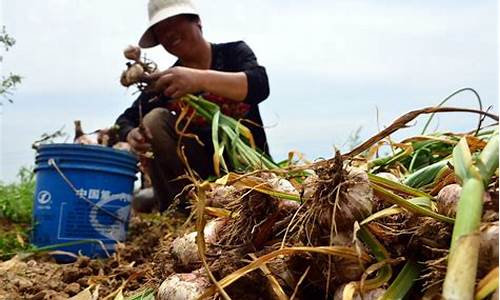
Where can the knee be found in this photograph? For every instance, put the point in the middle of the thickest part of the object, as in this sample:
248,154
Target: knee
159,122
156,119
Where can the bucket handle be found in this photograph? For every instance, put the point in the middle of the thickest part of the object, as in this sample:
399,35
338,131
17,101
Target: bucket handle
53,163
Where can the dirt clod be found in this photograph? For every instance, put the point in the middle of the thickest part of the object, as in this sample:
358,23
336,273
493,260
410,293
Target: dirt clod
143,260
72,288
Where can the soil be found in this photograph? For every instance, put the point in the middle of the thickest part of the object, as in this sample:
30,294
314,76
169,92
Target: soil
145,260
142,261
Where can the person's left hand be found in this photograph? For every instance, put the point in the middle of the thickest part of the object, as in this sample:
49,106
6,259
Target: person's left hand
176,82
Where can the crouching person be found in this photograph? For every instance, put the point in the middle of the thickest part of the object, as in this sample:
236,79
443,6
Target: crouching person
226,73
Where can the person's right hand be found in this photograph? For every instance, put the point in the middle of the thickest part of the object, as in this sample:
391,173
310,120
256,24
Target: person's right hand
138,141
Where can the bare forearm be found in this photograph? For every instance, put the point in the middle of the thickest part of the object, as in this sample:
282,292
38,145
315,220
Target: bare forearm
178,81
231,85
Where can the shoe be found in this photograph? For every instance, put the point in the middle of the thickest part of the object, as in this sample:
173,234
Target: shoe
144,201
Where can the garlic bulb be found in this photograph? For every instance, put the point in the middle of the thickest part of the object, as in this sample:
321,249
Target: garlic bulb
183,286
309,187
354,201
132,53
368,295
282,185
488,248
447,199
388,176
221,195
132,75
184,248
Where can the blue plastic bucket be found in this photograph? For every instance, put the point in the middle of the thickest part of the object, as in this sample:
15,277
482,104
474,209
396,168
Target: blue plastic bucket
82,198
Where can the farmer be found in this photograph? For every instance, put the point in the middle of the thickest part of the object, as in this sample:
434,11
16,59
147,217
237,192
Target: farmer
227,74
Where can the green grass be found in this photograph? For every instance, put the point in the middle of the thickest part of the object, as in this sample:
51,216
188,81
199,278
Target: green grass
12,240
16,199
16,202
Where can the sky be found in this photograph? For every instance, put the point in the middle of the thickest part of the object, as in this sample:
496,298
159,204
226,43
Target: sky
335,67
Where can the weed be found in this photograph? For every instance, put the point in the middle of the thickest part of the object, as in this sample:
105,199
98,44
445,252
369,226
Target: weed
16,199
16,203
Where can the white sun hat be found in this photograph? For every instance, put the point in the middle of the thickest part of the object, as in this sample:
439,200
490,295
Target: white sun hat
159,10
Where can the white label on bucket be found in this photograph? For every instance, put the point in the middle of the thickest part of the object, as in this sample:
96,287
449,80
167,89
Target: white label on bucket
94,194
115,231
81,193
84,222
105,194
44,197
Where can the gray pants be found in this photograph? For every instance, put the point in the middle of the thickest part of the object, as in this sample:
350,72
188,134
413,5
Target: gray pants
167,166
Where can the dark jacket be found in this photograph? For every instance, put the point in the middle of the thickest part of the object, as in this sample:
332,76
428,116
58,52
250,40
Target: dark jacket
228,57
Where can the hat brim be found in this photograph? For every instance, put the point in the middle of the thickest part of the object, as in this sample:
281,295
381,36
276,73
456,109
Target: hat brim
147,39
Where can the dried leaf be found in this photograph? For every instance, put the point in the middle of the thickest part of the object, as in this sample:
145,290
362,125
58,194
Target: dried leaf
84,295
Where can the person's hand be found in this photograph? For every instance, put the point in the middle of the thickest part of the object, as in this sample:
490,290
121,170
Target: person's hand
139,140
177,81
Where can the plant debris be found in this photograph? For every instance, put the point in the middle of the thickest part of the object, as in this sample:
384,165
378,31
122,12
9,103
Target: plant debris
378,222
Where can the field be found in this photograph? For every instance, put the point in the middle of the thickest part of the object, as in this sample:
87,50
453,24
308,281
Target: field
414,219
